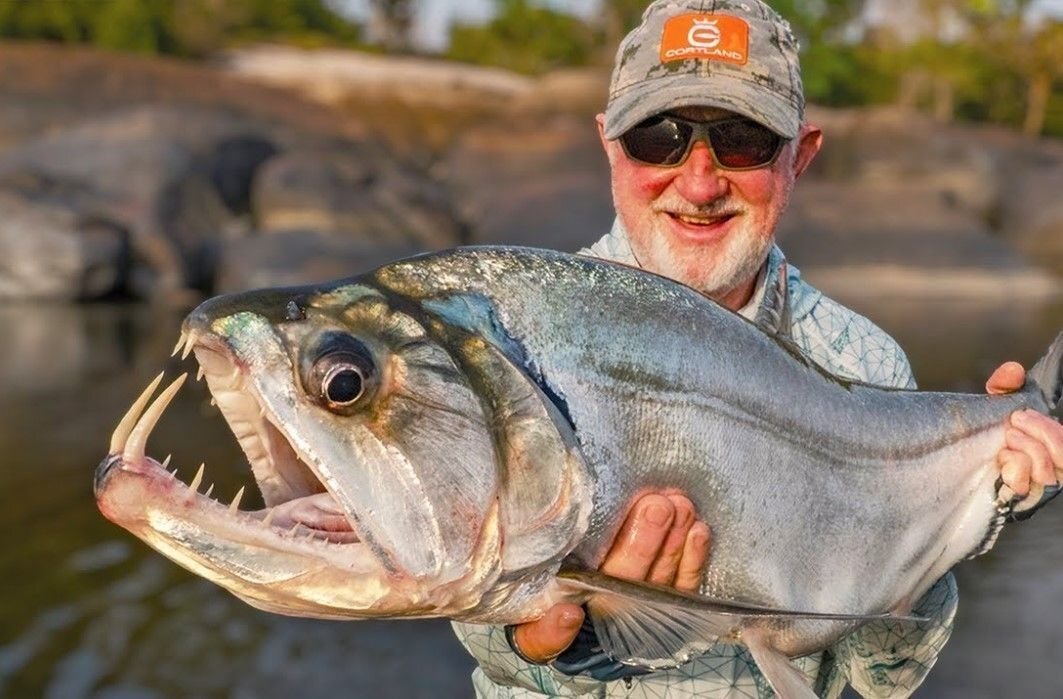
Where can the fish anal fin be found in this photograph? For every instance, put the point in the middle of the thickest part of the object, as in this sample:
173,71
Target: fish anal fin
653,626
783,676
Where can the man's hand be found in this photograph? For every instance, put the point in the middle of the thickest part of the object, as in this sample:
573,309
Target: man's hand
1033,452
661,541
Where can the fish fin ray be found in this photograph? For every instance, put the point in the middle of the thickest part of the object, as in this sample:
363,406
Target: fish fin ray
783,676
654,626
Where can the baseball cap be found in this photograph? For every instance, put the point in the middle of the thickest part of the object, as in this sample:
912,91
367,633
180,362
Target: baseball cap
738,55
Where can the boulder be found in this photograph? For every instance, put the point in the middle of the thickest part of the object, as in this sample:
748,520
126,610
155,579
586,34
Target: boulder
291,258
542,183
151,171
358,192
51,252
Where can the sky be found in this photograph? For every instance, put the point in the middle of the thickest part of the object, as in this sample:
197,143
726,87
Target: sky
434,17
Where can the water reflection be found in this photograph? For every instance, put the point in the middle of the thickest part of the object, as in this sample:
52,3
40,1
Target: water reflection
89,611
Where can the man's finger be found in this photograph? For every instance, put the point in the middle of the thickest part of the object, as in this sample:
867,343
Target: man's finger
1041,470
1047,432
664,569
695,556
640,539
1008,378
1015,468
544,639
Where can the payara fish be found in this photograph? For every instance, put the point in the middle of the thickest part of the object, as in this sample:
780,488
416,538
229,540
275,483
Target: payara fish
461,434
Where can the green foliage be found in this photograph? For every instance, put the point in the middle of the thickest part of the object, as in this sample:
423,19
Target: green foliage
524,37
179,27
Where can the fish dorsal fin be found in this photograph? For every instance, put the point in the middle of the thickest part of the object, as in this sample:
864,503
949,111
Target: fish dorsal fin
653,626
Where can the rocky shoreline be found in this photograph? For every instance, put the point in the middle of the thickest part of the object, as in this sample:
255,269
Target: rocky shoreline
125,177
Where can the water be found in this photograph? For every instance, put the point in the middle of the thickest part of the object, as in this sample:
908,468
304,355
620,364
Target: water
88,611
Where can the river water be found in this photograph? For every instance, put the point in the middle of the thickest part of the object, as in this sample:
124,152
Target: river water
88,611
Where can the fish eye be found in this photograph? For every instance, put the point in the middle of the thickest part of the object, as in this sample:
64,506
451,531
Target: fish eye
342,385
339,372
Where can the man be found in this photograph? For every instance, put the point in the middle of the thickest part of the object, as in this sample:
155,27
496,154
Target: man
705,135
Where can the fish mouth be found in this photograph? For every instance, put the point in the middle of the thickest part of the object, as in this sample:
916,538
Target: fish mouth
301,518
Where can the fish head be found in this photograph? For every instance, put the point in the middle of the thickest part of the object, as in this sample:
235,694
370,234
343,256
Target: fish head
406,464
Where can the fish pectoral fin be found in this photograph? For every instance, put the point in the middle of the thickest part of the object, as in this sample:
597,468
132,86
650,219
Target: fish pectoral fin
783,676
640,623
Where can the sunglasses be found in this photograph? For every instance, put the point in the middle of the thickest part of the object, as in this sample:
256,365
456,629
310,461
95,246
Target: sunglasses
736,144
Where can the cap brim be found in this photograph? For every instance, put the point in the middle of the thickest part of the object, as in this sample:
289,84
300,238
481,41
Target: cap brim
645,99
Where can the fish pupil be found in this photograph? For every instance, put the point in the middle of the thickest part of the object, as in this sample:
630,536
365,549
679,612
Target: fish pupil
344,386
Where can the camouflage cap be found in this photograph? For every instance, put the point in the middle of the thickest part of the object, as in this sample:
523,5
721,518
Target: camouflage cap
738,55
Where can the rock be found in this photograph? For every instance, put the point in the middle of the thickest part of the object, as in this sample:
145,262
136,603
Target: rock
1029,214
357,192
543,184
292,258
51,253
149,171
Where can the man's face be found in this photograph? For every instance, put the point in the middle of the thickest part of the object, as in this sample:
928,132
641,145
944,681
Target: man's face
701,225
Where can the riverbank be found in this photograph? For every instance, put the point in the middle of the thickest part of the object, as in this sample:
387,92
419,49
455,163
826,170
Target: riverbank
152,178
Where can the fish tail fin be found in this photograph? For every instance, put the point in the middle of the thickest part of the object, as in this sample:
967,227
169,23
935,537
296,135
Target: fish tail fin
1047,374
657,627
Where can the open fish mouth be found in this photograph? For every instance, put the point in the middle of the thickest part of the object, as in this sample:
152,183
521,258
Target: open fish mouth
301,518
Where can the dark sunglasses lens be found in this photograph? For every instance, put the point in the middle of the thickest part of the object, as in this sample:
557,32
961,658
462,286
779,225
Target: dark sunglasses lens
657,141
743,144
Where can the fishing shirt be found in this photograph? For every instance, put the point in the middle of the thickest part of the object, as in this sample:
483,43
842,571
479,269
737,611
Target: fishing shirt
879,659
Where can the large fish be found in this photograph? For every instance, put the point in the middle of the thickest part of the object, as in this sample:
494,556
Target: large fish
461,434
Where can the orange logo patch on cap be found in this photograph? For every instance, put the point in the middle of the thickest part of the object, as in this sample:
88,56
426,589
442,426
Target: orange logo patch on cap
712,37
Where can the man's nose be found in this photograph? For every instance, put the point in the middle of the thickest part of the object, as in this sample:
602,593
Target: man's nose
699,180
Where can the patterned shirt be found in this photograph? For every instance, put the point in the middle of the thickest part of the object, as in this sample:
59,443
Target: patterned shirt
879,659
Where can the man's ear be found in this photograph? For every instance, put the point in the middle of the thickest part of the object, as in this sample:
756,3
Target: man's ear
809,141
611,148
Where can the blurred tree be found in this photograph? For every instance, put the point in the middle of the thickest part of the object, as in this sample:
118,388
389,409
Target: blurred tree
390,22
620,17
524,37
135,26
53,21
182,27
1043,68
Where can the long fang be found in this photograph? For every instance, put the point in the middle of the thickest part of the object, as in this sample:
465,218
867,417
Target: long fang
121,433
138,438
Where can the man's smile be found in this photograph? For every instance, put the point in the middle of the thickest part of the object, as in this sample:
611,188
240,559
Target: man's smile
700,226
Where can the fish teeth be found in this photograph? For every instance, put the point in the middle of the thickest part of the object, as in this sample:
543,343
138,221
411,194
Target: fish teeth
269,516
190,342
210,489
194,485
235,505
180,343
166,463
135,443
200,373
125,426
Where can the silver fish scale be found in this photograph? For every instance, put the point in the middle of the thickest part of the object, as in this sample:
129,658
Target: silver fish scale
808,481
